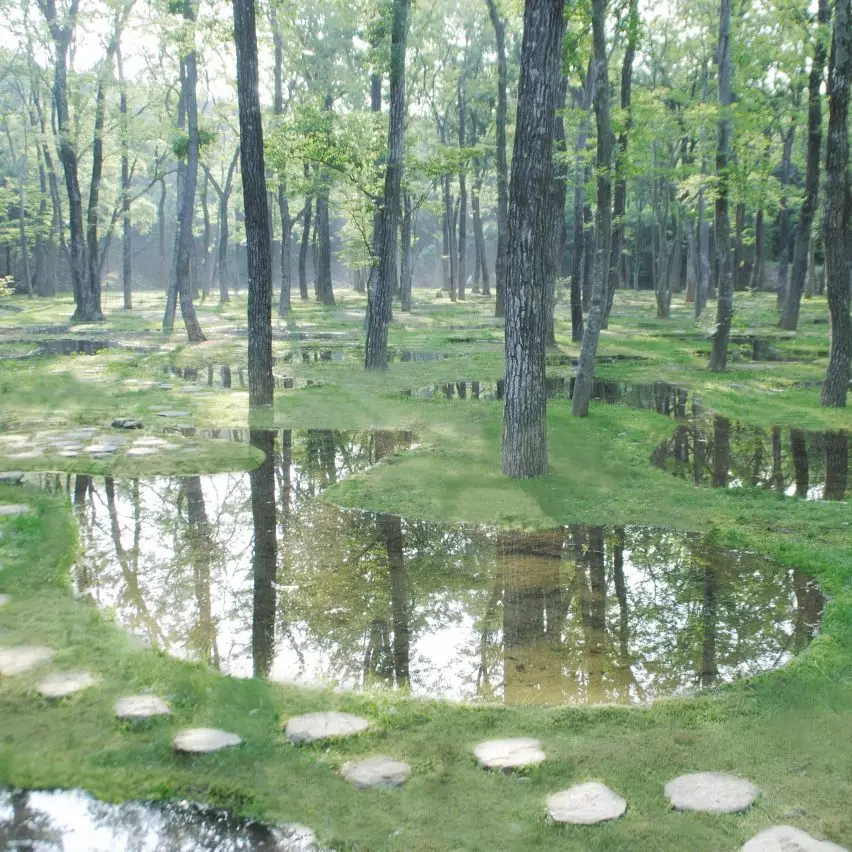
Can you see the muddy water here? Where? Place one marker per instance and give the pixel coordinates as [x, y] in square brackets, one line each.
[255, 576]
[71, 821]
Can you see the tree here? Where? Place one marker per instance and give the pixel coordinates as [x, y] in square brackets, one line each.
[256, 208]
[603, 228]
[380, 286]
[837, 221]
[793, 299]
[529, 257]
[725, 305]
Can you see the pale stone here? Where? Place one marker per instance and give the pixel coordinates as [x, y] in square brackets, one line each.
[28, 454]
[65, 683]
[23, 658]
[142, 451]
[11, 477]
[295, 838]
[141, 707]
[150, 442]
[101, 449]
[785, 838]
[376, 772]
[173, 414]
[4, 600]
[509, 754]
[323, 726]
[586, 804]
[204, 740]
[711, 792]
[10, 510]
[69, 454]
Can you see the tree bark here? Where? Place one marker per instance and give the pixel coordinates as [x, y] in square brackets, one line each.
[784, 215]
[406, 266]
[603, 230]
[462, 242]
[380, 286]
[530, 226]
[256, 208]
[500, 270]
[126, 232]
[284, 302]
[757, 276]
[703, 289]
[303, 250]
[725, 304]
[325, 291]
[837, 221]
[798, 272]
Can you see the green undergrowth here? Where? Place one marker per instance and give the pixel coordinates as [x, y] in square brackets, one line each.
[789, 731]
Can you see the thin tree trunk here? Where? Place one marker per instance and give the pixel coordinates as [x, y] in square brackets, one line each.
[603, 231]
[303, 250]
[462, 242]
[784, 215]
[406, 267]
[380, 286]
[126, 233]
[325, 291]
[725, 304]
[798, 273]
[837, 222]
[703, 290]
[530, 226]
[757, 276]
[284, 304]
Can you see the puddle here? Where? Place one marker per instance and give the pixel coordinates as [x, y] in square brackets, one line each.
[229, 376]
[561, 360]
[251, 574]
[69, 346]
[717, 451]
[72, 821]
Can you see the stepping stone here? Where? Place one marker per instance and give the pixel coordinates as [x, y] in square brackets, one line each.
[65, 683]
[785, 838]
[586, 804]
[141, 707]
[125, 423]
[509, 754]
[101, 449]
[173, 414]
[23, 658]
[324, 726]
[142, 451]
[11, 510]
[295, 838]
[204, 740]
[69, 454]
[711, 792]
[29, 454]
[151, 442]
[4, 600]
[376, 772]
[11, 477]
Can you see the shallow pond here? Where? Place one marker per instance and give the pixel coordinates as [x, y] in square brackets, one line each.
[252, 574]
[72, 821]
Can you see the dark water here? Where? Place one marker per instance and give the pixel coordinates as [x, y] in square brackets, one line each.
[717, 451]
[252, 574]
[72, 821]
[69, 346]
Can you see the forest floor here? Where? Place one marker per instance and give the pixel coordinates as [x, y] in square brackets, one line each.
[789, 731]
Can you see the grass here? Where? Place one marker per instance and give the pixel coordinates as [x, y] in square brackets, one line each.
[788, 731]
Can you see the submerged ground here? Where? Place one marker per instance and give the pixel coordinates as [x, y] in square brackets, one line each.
[421, 442]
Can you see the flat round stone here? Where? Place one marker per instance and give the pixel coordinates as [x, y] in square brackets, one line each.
[11, 477]
[509, 754]
[785, 838]
[23, 658]
[69, 454]
[10, 510]
[65, 683]
[204, 740]
[586, 804]
[323, 726]
[141, 707]
[173, 414]
[711, 792]
[142, 451]
[376, 772]
[5, 600]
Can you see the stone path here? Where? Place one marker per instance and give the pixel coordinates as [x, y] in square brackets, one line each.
[711, 792]
[64, 684]
[509, 754]
[23, 658]
[376, 772]
[785, 838]
[586, 804]
[324, 726]
[204, 740]
[136, 707]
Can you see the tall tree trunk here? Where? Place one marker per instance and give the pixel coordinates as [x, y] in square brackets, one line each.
[784, 215]
[161, 231]
[450, 220]
[557, 197]
[691, 264]
[530, 226]
[757, 276]
[703, 290]
[126, 233]
[179, 285]
[837, 223]
[798, 273]
[481, 283]
[500, 270]
[325, 291]
[256, 208]
[619, 207]
[462, 244]
[406, 266]
[603, 229]
[380, 287]
[391, 529]
[303, 250]
[740, 277]
[284, 304]
[725, 304]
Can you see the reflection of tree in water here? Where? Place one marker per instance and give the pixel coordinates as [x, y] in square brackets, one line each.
[726, 454]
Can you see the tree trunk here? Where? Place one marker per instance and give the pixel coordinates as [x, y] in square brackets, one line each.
[126, 234]
[179, 284]
[303, 250]
[798, 273]
[284, 304]
[691, 264]
[380, 286]
[784, 215]
[256, 208]
[603, 230]
[740, 278]
[462, 243]
[500, 270]
[703, 290]
[757, 276]
[619, 206]
[557, 199]
[837, 222]
[530, 225]
[725, 304]
[325, 292]
[406, 267]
